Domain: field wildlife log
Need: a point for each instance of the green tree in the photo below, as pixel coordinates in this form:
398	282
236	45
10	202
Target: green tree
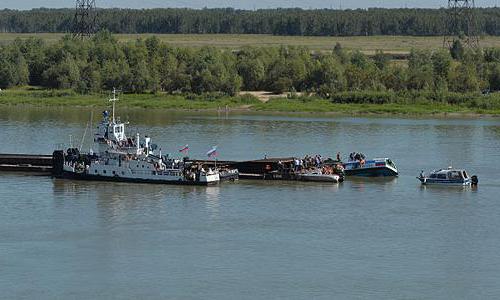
464	79
457	50
419	58
252	71
90	79
420	78
63	75
441	63
328	77
381	59
7	74
494	77
395	78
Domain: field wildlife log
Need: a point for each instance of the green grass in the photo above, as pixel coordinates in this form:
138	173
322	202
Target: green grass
42	97
367	44
325	106
475	104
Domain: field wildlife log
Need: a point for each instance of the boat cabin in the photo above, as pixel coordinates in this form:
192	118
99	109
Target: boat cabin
373	163
111	131
449	174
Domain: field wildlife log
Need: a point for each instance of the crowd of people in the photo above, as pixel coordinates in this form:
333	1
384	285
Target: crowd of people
357	157
317	160
307	162
327	166
311	163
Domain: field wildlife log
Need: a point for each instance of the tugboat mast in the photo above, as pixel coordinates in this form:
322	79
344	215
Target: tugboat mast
113	100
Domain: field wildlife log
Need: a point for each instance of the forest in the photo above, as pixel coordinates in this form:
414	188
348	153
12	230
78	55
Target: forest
296	22
151	66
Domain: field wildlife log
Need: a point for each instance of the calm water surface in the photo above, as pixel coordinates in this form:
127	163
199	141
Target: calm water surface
246	240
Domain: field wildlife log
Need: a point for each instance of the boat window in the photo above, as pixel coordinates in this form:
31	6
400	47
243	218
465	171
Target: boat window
441	176
104	171
432	176
96	171
114	172
465	175
390	163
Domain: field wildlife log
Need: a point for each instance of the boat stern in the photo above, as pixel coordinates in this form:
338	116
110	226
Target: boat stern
210	178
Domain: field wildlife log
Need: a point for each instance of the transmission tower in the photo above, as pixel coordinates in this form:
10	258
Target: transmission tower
461	24
85	18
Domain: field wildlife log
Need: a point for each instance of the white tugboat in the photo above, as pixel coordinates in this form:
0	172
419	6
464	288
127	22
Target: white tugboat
121	158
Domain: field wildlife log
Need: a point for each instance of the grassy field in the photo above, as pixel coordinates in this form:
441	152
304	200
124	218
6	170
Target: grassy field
49	98
41	97
368	44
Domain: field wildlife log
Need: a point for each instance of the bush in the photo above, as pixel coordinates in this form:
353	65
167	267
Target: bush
364	97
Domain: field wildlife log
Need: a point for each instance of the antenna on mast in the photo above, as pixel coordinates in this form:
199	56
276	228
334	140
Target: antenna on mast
113	100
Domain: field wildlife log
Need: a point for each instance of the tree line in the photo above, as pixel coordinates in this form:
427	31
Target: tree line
149	66
318	22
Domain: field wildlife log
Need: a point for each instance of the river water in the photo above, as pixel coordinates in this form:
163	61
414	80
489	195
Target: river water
246	240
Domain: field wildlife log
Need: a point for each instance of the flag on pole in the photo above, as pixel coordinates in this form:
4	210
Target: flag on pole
212	152
184	149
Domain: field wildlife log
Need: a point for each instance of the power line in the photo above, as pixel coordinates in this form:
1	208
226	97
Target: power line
84	24
461	24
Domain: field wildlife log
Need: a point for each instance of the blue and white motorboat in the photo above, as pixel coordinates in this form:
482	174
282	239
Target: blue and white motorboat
377	167
448	177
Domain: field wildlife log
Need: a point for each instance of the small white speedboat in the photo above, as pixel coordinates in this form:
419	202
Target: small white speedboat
318	176
448	177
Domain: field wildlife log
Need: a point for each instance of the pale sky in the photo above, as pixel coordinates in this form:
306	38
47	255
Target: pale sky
241	4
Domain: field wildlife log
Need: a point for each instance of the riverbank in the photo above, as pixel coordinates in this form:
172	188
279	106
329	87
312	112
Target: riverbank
345	103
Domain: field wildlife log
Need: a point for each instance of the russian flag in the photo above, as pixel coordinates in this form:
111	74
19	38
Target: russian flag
212	152
184	149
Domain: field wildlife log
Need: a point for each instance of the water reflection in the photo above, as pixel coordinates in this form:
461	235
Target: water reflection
212	200
116	202
276	236
380	184
438	189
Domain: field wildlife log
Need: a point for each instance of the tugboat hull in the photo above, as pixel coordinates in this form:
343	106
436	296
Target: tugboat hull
88	177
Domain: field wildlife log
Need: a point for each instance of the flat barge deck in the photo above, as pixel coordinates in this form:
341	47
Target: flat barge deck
267	169
26	163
